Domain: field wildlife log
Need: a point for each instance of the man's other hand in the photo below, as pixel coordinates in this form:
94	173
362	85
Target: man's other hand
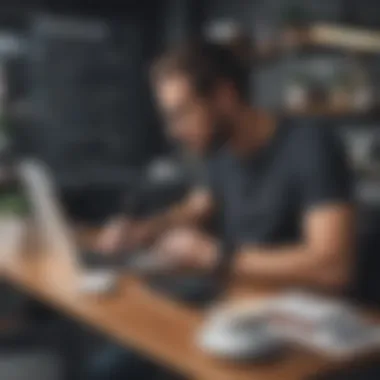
113	236
188	248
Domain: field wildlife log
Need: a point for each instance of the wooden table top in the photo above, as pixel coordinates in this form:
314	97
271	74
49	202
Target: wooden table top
137	317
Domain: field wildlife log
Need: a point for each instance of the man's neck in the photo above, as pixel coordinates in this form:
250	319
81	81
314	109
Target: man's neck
254	129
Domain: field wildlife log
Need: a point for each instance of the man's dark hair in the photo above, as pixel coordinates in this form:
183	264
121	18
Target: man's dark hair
206	64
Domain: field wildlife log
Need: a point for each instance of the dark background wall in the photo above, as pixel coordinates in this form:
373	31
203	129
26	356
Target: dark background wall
90	112
91	99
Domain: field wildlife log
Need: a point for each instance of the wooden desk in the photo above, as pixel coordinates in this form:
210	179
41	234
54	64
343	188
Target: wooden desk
138	318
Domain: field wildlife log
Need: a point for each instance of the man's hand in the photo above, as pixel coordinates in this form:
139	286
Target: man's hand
143	233
126	234
188	248
114	235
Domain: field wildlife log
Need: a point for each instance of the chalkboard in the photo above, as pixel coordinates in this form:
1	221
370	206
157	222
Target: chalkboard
87	82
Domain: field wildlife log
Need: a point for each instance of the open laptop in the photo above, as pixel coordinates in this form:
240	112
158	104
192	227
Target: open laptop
55	237
50	222
58	238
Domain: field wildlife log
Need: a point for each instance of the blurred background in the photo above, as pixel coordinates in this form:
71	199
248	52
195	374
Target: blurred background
75	87
74	91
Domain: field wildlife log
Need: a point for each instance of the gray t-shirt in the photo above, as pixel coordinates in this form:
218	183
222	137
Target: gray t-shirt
261	199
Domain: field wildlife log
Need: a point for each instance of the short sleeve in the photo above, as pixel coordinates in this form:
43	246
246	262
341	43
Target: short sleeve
324	173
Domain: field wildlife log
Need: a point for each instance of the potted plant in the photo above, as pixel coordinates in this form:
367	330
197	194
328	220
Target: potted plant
12	200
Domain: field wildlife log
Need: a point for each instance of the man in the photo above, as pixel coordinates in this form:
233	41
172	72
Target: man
124	231
283	188
280	189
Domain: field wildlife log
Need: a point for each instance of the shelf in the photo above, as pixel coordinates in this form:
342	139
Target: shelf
325	36
354	39
329	111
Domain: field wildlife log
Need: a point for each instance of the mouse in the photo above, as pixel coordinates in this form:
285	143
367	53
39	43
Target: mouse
241	338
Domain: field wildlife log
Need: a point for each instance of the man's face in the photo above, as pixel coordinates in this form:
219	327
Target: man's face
193	121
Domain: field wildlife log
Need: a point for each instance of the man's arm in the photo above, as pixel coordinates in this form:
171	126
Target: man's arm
124	232
323	258
194	210
112	235
323	255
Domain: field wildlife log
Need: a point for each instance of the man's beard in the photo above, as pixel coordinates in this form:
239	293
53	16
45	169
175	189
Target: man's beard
222	133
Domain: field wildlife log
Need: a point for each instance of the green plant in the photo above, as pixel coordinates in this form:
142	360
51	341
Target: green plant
13	203
12	198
